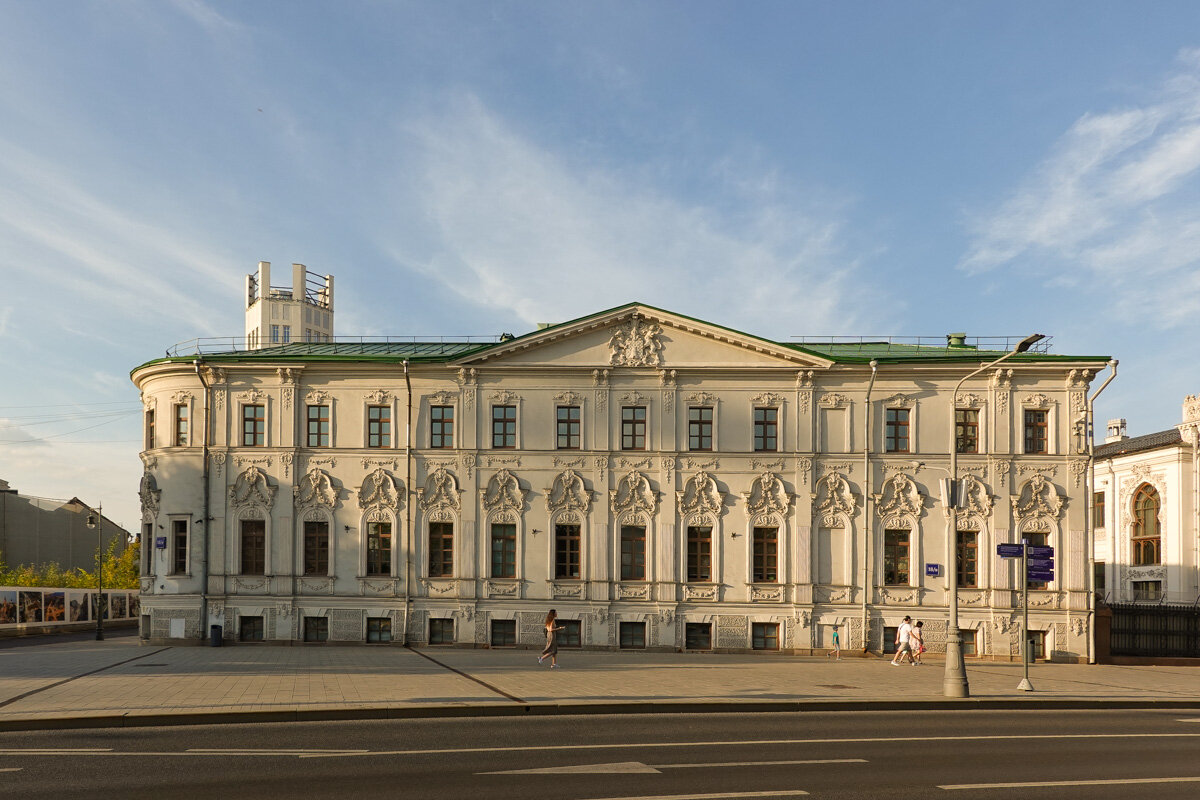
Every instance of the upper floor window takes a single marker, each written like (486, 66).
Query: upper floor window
(287, 334)
(766, 555)
(254, 425)
(968, 562)
(700, 428)
(566, 551)
(504, 550)
(1146, 536)
(316, 547)
(253, 547)
(699, 553)
(379, 548)
(568, 427)
(318, 426)
(766, 430)
(896, 430)
(504, 427)
(179, 547)
(181, 425)
(441, 549)
(895, 558)
(633, 428)
(149, 429)
(1036, 430)
(274, 334)
(379, 426)
(441, 427)
(1098, 509)
(633, 553)
(966, 430)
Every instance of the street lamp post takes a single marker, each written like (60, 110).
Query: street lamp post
(954, 683)
(96, 521)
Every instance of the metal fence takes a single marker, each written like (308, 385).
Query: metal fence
(1158, 630)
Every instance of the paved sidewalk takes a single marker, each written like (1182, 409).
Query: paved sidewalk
(120, 682)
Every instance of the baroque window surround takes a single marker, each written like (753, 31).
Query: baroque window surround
(380, 498)
(379, 397)
(423, 435)
(316, 499)
(691, 401)
(254, 397)
(767, 506)
(439, 501)
(972, 401)
(908, 403)
(252, 497)
(634, 503)
(1038, 402)
(568, 502)
(1037, 507)
(188, 401)
(768, 400)
(503, 398)
(503, 503)
(899, 507)
(320, 398)
(701, 504)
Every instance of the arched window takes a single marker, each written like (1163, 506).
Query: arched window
(1146, 534)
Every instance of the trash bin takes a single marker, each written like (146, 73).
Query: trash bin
(215, 634)
(1031, 646)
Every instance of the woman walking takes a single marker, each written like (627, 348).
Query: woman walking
(551, 640)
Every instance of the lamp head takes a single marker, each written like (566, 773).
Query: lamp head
(91, 520)
(1028, 342)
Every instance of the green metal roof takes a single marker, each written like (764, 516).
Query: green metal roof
(898, 352)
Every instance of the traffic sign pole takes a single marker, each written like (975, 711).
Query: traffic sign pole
(1025, 685)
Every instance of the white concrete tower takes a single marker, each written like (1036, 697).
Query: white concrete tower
(278, 315)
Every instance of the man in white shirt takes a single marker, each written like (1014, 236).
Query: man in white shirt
(903, 642)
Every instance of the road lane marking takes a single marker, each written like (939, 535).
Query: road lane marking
(637, 767)
(720, 796)
(1037, 784)
(11, 769)
(764, 763)
(1197, 719)
(54, 751)
(251, 751)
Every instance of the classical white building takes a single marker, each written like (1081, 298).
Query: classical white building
(1146, 513)
(662, 481)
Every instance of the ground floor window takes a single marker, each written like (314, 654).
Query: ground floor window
(764, 635)
(571, 634)
(504, 632)
(633, 635)
(441, 630)
(1147, 591)
(1098, 577)
(379, 629)
(250, 629)
(969, 641)
(1037, 644)
(316, 629)
(889, 638)
(697, 636)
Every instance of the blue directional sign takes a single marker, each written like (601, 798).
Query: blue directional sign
(1009, 550)
(1040, 551)
(1039, 576)
(160, 543)
(933, 570)
(1041, 564)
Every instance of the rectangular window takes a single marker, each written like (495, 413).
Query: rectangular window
(896, 430)
(968, 570)
(571, 634)
(379, 629)
(441, 630)
(316, 547)
(250, 629)
(566, 551)
(1035, 432)
(287, 334)
(379, 548)
(274, 334)
(1037, 540)
(504, 427)
(181, 425)
(633, 553)
(147, 547)
(766, 430)
(895, 558)
(254, 547)
(633, 428)
(379, 426)
(254, 426)
(568, 427)
(318, 426)
(179, 549)
(633, 635)
(441, 427)
(1037, 644)
(764, 635)
(969, 646)
(700, 428)
(504, 632)
(1097, 510)
(889, 639)
(697, 636)
(1147, 591)
(441, 549)
(966, 429)
(1098, 580)
(150, 429)
(504, 551)
(699, 553)
(316, 629)
(766, 555)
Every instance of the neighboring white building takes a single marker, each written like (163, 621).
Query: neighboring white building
(1146, 513)
(662, 481)
(278, 315)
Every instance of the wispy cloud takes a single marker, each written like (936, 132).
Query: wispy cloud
(1116, 201)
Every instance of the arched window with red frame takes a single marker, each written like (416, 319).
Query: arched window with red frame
(1146, 534)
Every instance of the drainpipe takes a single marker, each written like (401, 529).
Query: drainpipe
(408, 501)
(867, 528)
(1089, 500)
(207, 516)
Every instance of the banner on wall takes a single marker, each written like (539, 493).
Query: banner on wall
(21, 605)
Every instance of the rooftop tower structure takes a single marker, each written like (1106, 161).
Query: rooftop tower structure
(278, 315)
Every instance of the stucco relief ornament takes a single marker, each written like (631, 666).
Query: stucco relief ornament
(767, 495)
(834, 497)
(900, 496)
(633, 493)
(379, 489)
(149, 494)
(568, 493)
(252, 487)
(636, 344)
(316, 489)
(1038, 498)
(978, 499)
(504, 493)
(441, 490)
(701, 495)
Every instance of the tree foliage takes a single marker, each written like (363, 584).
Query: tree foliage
(121, 571)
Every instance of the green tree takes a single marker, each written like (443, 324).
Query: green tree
(121, 571)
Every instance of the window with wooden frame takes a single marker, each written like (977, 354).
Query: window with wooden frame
(633, 635)
(379, 548)
(700, 428)
(250, 629)
(568, 427)
(253, 546)
(318, 426)
(504, 427)
(147, 548)
(566, 551)
(764, 635)
(699, 553)
(571, 634)
(968, 563)
(1036, 431)
(1145, 535)
(441, 427)
(766, 555)
(149, 429)
(697, 636)
(181, 425)
(379, 426)
(503, 633)
(441, 630)
(316, 547)
(766, 430)
(254, 425)
(179, 547)
(316, 629)
(966, 430)
(504, 550)
(633, 553)
(895, 558)
(633, 428)
(441, 549)
(379, 630)
(896, 430)
(1098, 510)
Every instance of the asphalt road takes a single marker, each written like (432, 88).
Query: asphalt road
(955, 754)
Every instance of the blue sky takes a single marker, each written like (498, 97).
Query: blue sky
(790, 168)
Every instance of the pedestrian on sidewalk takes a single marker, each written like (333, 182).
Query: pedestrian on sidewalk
(552, 630)
(903, 641)
(916, 641)
(837, 645)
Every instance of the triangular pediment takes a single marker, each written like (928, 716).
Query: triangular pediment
(640, 336)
